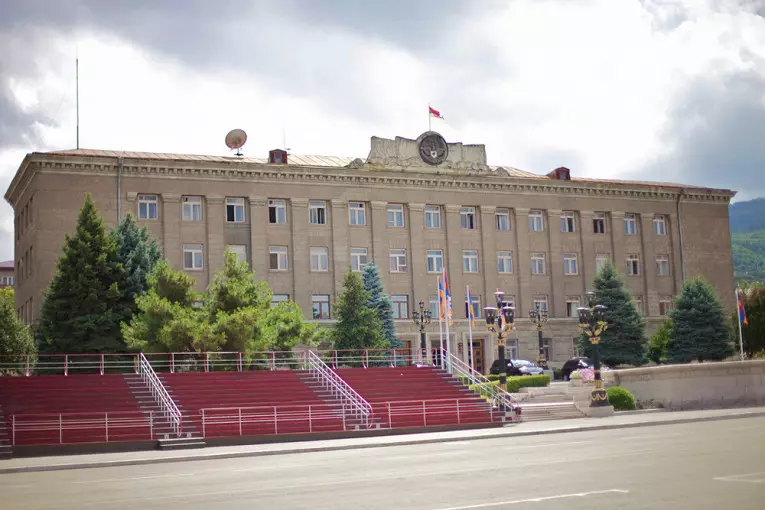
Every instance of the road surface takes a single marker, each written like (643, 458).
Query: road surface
(707, 465)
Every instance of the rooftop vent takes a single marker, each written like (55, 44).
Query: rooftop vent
(277, 157)
(561, 174)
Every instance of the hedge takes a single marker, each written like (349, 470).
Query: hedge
(621, 398)
(515, 383)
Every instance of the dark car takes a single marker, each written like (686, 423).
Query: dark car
(517, 367)
(573, 364)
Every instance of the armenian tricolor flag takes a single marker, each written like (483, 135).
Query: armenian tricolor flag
(740, 306)
(434, 113)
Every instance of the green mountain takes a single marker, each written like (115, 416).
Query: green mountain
(747, 226)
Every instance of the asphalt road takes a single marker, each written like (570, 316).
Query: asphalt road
(708, 465)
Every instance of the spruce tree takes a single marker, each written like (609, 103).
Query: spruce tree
(138, 252)
(381, 302)
(358, 326)
(699, 325)
(15, 336)
(86, 301)
(624, 342)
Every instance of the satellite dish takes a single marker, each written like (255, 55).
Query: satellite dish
(235, 140)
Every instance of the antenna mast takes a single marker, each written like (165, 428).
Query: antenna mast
(77, 95)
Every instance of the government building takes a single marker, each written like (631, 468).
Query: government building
(413, 206)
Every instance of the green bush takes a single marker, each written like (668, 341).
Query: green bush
(557, 374)
(621, 398)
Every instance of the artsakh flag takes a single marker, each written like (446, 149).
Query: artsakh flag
(447, 291)
(441, 300)
(741, 312)
(434, 113)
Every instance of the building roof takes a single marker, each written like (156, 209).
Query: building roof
(6, 264)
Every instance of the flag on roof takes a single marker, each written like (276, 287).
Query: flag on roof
(434, 113)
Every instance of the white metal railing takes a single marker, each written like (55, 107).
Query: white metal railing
(71, 428)
(267, 420)
(351, 401)
(498, 396)
(167, 407)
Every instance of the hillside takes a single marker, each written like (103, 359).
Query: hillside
(747, 225)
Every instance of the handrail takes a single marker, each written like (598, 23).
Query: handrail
(160, 394)
(498, 396)
(350, 399)
(25, 425)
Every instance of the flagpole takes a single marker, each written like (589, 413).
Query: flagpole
(446, 313)
(440, 324)
(429, 118)
(471, 315)
(740, 303)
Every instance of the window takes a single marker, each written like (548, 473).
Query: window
(400, 307)
(638, 302)
(502, 219)
(662, 265)
(504, 262)
(509, 301)
(660, 225)
(320, 304)
(567, 222)
(319, 259)
(540, 303)
(470, 261)
(278, 298)
(512, 348)
(148, 207)
(467, 218)
(357, 213)
(599, 223)
(570, 264)
(601, 261)
(235, 210)
(475, 302)
(317, 213)
(240, 251)
(277, 256)
(192, 256)
(630, 225)
(537, 263)
(358, 258)
(277, 212)
(434, 311)
(192, 208)
(395, 215)
(633, 265)
(536, 221)
(665, 305)
(433, 216)
(572, 306)
(435, 261)
(398, 261)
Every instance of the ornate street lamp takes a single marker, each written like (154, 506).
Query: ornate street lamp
(592, 320)
(500, 320)
(539, 319)
(422, 319)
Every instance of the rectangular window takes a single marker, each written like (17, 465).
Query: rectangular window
(638, 302)
(277, 256)
(665, 305)
(570, 264)
(540, 303)
(536, 221)
(502, 219)
(398, 261)
(320, 304)
(470, 261)
(537, 263)
(240, 251)
(434, 311)
(277, 212)
(357, 212)
(662, 265)
(660, 225)
(192, 208)
(475, 302)
(630, 225)
(435, 261)
(433, 216)
(400, 307)
(567, 222)
(572, 306)
(278, 298)
(192, 256)
(148, 207)
(235, 210)
(508, 301)
(599, 223)
(358, 258)
(504, 262)
(633, 265)
(467, 218)
(601, 261)
(319, 259)
(395, 215)
(317, 213)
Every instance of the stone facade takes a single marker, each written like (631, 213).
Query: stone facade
(311, 208)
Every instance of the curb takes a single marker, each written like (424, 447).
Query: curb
(309, 449)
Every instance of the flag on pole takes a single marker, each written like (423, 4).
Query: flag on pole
(741, 312)
(434, 113)
(471, 313)
(449, 313)
(441, 300)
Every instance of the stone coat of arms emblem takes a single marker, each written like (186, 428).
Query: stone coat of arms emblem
(433, 149)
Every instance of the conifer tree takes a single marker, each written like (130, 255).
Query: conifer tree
(138, 252)
(15, 336)
(381, 302)
(358, 326)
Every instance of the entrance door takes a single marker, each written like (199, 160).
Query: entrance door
(478, 356)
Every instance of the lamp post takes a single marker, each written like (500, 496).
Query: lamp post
(422, 319)
(500, 320)
(539, 319)
(592, 320)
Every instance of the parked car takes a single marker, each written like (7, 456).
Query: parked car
(517, 367)
(573, 364)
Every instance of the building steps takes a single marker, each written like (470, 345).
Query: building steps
(161, 425)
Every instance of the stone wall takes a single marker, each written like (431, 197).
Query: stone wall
(698, 386)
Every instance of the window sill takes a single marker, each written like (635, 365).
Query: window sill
(194, 269)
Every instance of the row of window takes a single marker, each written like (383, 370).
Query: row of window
(25, 265)
(148, 209)
(24, 218)
(6, 280)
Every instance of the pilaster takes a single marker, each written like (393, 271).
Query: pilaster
(488, 259)
(259, 236)
(341, 249)
(416, 259)
(648, 260)
(216, 223)
(300, 258)
(557, 298)
(171, 229)
(522, 260)
(379, 228)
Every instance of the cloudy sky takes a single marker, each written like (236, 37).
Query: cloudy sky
(670, 90)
